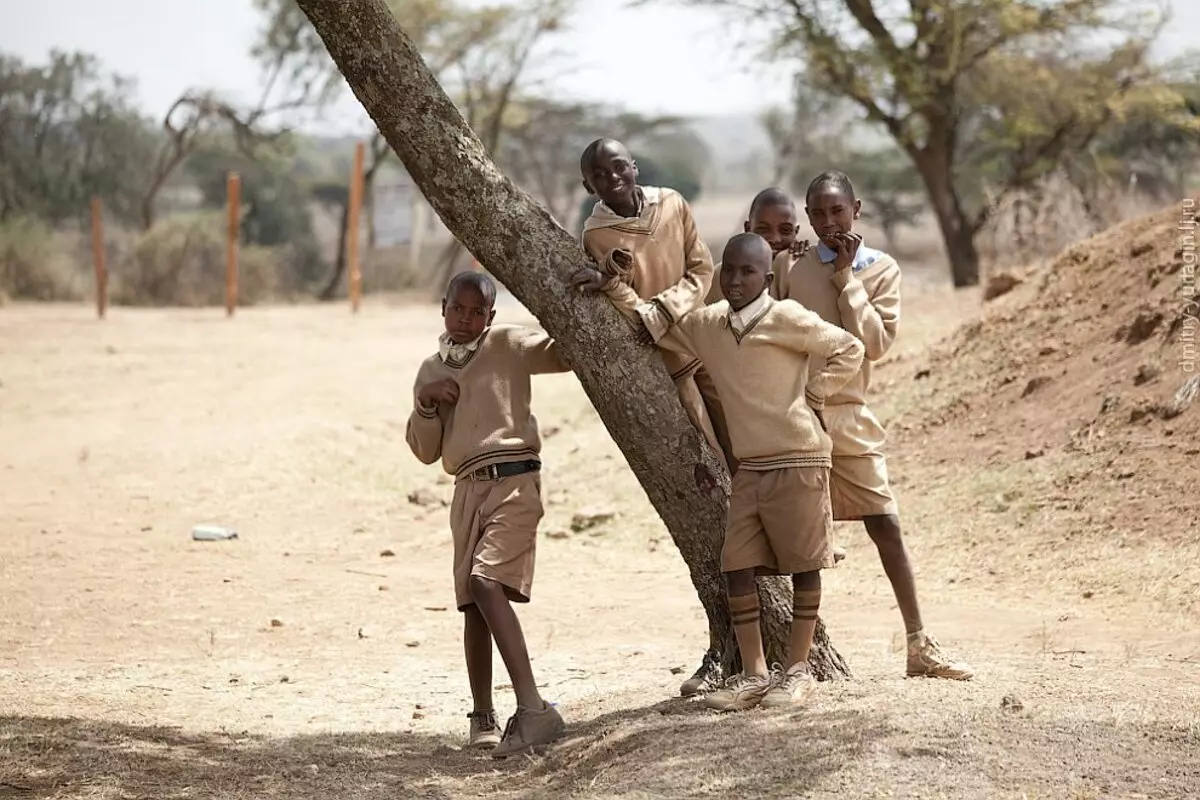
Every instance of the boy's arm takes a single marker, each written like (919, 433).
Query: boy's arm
(424, 430)
(781, 267)
(539, 353)
(689, 292)
(803, 331)
(873, 317)
(677, 337)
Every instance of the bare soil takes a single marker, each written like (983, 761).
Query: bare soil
(318, 655)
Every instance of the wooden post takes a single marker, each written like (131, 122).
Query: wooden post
(356, 195)
(98, 257)
(233, 201)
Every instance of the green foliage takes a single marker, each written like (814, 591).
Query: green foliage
(181, 262)
(68, 132)
(31, 268)
(275, 205)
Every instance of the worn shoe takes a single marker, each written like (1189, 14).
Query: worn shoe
(926, 658)
(739, 693)
(485, 731)
(789, 688)
(706, 677)
(529, 729)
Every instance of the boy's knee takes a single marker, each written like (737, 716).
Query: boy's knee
(806, 581)
(883, 528)
(740, 583)
(482, 588)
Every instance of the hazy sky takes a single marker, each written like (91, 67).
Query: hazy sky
(672, 60)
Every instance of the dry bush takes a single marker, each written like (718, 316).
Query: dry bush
(1040, 223)
(33, 265)
(181, 262)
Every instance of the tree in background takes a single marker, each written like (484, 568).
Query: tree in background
(69, 131)
(480, 53)
(984, 96)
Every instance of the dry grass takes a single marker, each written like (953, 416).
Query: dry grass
(135, 663)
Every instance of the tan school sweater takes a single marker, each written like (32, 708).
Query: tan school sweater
(491, 423)
(762, 376)
(864, 300)
(672, 268)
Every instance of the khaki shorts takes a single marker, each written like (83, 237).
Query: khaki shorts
(494, 526)
(858, 485)
(780, 522)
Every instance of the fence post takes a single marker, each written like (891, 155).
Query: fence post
(98, 258)
(233, 200)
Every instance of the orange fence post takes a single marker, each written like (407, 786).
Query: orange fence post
(356, 196)
(98, 258)
(233, 200)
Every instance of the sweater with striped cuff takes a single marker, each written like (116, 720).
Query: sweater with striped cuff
(492, 422)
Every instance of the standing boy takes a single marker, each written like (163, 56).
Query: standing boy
(758, 351)
(471, 410)
(663, 259)
(858, 288)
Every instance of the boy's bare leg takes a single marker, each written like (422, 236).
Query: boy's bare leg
(477, 643)
(884, 531)
(502, 621)
(925, 655)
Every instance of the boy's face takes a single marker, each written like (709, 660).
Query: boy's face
(831, 211)
(745, 273)
(777, 224)
(613, 175)
(467, 313)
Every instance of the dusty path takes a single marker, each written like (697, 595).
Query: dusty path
(287, 423)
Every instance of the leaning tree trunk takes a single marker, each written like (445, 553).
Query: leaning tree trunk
(519, 242)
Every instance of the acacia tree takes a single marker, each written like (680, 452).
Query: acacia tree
(938, 75)
(519, 242)
(481, 53)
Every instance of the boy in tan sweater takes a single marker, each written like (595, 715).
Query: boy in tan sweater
(858, 288)
(758, 352)
(665, 261)
(780, 230)
(471, 410)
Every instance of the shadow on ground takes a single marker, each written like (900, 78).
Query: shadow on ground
(673, 749)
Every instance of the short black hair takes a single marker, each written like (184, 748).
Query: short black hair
(773, 196)
(477, 280)
(588, 159)
(835, 178)
(743, 241)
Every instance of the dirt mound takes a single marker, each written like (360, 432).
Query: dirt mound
(1090, 363)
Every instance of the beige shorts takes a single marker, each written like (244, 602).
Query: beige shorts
(858, 485)
(494, 526)
(780, 522)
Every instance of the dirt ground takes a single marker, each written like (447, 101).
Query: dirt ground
(318, 655)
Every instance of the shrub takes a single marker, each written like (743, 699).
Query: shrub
(32, 266)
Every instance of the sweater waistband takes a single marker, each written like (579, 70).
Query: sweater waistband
(786, 461)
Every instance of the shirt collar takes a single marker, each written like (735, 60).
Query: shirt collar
(448, 348)
(863, 258)
(749, 312)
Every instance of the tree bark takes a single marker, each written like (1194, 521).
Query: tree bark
(519, 242)
(957, 229)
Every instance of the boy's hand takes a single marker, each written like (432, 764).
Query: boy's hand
(588, 280)
(847, 248)
(443, 391)
(642, 333)
(622, 258)
(800, 247)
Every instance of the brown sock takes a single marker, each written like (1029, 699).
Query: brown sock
(745, 614)
(805, 605)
